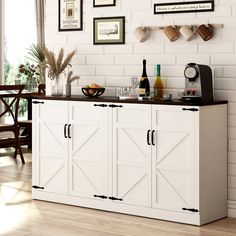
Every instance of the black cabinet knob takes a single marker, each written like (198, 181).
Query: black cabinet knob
(65, 135)
(69, 126)
(148, 137)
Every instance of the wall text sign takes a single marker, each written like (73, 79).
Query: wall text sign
(180, 7)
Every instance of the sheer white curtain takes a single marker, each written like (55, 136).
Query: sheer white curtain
(14, 29)
(1, 46)
(1, 41)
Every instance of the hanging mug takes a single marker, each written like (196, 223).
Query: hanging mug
(141, 33)
(206, 32)
(187, 32)
(171, 32)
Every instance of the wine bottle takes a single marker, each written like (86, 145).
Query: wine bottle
(144, 86)
(158, 85)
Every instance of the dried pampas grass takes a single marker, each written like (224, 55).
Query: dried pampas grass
(57, 65)
(71, 78)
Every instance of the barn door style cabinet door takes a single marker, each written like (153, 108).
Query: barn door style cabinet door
(161, 161)
(175, 158)
(131, 170)
(88, 150)
(189, 162)
(50, 146)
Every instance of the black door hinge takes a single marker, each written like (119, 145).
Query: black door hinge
(36, 102)
(114, 106)
(115, 199)
(100, 196)
(190, 109)
(190, 209)
(37, 187)
(100, 105)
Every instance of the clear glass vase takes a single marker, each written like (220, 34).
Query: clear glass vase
(31, 84)
(57, 86)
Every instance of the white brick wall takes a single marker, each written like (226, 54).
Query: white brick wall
(112, 66)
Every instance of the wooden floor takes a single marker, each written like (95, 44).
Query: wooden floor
(22, 216)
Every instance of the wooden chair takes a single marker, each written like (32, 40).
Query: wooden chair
(26, 125)
(9, 104)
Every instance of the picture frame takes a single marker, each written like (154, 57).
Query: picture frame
(183, 7)
(109, 30)
(70, 15)
(104, 3)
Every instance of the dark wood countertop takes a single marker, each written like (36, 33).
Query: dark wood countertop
(134, 101)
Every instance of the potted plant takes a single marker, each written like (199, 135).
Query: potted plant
(28, 75)
(37, 55)
(56, 68)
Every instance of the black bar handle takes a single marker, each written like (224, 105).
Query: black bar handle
(100, 196)
(115, 199)
(153, 132)
(190, 209)
(37, 187)
(190, 109)
(100, 105)
(36, 102)
(148, 137)
(69, 131)
(65, 131)
(114, 106)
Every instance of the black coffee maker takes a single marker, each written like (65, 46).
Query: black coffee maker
(198, 83)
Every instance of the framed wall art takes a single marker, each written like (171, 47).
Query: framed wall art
(70, 15)
(183, 7)
(109, 30)
(104, 3)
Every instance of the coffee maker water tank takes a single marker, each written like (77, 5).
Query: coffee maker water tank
(198, 83)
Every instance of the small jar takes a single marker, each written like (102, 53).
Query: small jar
(68, 90)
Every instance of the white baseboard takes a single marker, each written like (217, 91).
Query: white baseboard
(232, 209)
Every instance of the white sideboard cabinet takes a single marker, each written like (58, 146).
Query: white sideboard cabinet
(161, 161)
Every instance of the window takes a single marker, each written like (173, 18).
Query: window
(19, 23)
(20, 33)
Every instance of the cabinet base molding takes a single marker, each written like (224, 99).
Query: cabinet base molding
(105, 205)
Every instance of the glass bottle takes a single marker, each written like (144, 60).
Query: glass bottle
(158, 85)
(144, 86)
